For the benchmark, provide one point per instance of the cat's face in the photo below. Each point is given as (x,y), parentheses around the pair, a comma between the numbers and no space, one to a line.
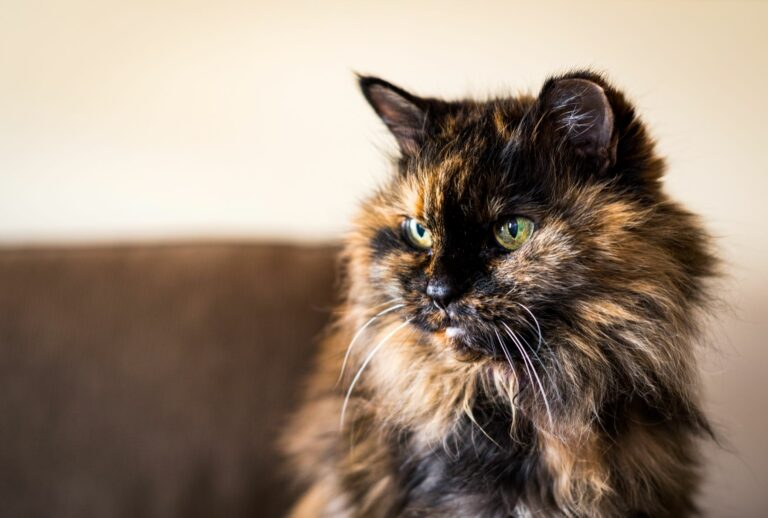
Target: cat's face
(475,249)
(530,229)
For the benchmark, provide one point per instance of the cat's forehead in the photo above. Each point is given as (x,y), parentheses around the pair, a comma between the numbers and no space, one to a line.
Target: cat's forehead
(498,115)
(476,169)
(475,191)
(478,190)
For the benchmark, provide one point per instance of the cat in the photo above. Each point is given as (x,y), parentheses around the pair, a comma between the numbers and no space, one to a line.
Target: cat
(522,305)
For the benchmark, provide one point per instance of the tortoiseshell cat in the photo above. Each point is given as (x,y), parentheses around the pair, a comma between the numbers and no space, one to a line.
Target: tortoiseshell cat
(519,326)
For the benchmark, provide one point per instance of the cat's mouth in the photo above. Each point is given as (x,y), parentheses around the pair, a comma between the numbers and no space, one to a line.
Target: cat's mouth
(453,335)
(445,325)
(468,346)
(447,328)
(472,337)
(434,318)
(454,331)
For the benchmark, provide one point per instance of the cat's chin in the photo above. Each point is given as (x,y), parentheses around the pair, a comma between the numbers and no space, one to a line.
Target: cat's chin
(458,341)
(454,333)
(450,336)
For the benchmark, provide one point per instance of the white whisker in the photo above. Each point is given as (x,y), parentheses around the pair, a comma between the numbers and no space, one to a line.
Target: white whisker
(390,301)
(538,347)
(360,332)
(505,351)
(364,365)
(546,371)
(536,321)
(522,354)
(532,370)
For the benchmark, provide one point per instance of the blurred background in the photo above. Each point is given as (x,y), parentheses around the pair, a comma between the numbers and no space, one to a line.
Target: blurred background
(166,121)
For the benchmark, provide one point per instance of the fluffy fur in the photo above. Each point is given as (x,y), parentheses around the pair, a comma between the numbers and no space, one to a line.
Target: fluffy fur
(561,379)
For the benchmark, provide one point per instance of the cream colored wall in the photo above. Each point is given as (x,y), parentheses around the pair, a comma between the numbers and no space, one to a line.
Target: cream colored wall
(127,120)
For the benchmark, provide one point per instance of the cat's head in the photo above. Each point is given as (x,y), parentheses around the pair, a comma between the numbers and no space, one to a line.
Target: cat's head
(532,231)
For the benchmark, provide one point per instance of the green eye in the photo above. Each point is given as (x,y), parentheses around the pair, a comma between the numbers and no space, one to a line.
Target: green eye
(511,234)
(416,234)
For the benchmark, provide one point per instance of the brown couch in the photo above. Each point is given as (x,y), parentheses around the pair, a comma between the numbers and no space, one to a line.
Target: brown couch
(144,381)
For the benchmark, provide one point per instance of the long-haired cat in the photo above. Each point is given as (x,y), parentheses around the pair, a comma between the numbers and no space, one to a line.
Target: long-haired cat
(521,310)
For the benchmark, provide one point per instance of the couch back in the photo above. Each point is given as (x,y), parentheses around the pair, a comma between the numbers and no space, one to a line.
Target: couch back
(153,381)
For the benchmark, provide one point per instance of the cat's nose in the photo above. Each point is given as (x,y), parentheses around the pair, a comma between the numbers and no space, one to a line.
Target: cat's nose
(441,291)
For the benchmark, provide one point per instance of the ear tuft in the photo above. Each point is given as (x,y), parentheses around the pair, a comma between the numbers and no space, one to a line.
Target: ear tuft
(404,114)
(582,113)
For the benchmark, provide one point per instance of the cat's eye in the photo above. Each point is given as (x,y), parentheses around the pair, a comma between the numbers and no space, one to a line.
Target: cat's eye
(512,233)
(417,234)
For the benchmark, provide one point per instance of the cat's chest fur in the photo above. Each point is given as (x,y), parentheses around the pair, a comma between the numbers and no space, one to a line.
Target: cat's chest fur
(479,467)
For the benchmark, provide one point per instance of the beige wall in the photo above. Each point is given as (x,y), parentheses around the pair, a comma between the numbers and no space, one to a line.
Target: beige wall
(123,120)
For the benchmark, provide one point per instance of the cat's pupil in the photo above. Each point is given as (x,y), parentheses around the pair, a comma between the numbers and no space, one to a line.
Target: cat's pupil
(512,227)
(420,230)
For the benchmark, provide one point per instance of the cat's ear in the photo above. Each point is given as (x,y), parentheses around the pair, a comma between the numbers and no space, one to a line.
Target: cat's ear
(581,114)
(404,114)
